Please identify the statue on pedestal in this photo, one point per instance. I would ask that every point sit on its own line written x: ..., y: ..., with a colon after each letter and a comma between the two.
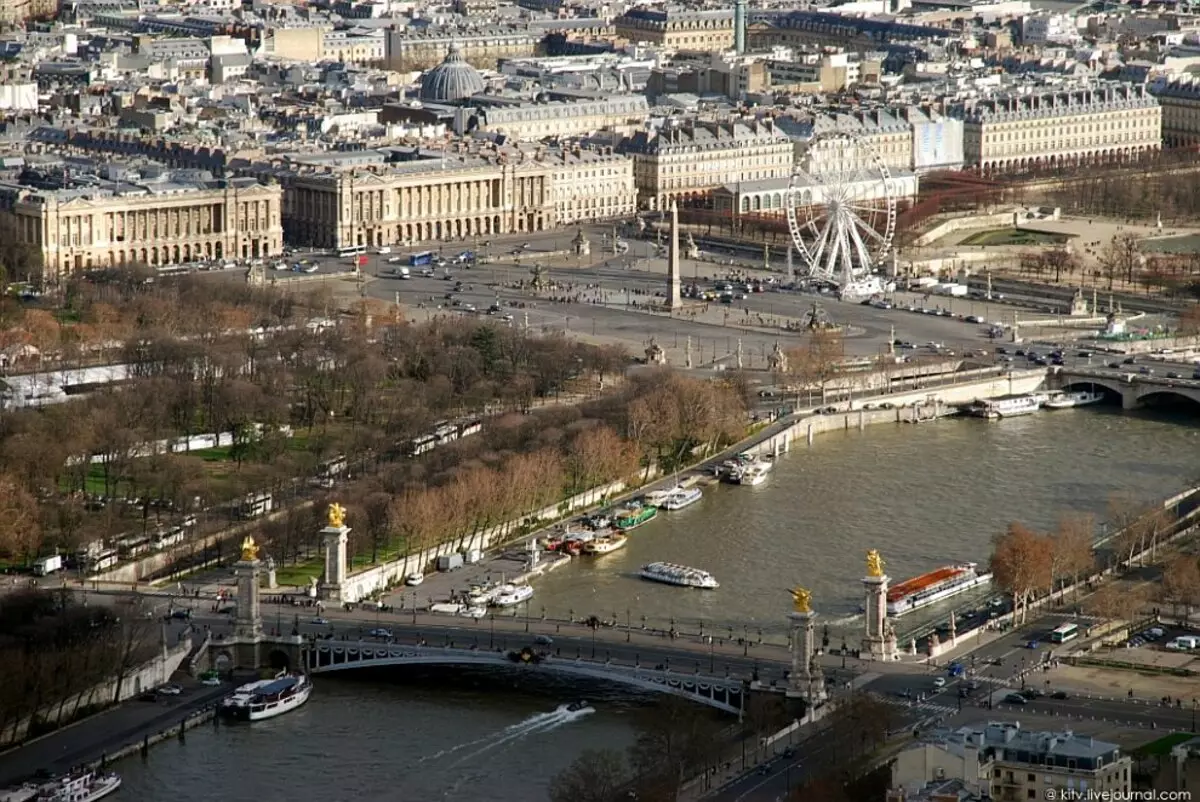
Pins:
x: 336, y: 516
x: 777, y: 360
x: 875, y: 563
x: 249, y: 549
x: 801, y: 600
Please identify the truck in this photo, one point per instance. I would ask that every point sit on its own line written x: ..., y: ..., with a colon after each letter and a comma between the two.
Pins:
x: 472, y: 556
x: 449, y: 562
x: 44, y: 566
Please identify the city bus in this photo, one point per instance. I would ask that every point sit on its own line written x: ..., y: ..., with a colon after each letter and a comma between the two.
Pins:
x: 420, y: 259
x: 1065, y: 633
x: 352, y: 250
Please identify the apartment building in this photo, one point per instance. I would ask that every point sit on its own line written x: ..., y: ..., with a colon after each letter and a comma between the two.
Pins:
x: 1006, y: 763
x: 678, y: 29
x: 157, y: 217
x: 687, y: 162
x: 1180, y: 103
x: 1104, y: 122
x: 586, y: 186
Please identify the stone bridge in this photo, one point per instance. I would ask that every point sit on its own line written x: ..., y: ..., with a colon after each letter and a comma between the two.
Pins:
x: 1132, y: 388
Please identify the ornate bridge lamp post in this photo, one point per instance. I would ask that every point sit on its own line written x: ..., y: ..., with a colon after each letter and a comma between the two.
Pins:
x: 492, y: 635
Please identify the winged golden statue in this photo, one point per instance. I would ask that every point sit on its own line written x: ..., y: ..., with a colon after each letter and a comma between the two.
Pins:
x: 249, y: 549
x: 801, y: 600
x: 874, y: 563
x: 336, y: 515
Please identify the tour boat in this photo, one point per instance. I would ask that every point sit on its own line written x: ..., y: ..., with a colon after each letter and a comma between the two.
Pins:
x: 510, y: 595
x: 267, y: 698
x: 1069, y: 400
x: 85, y: 786
x: 634, y: 515
x: 926, y: 589
x: 682, y: 498
x: 753, y: 474
x: 1007, y: 407
x: 605, y: 544
x: 675, y: 574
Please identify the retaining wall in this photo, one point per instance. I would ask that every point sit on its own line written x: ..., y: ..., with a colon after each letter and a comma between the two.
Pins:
x: 380, y: 577
x: 152, y: 674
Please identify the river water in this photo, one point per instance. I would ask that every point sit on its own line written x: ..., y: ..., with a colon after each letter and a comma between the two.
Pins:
x: 923, y: 495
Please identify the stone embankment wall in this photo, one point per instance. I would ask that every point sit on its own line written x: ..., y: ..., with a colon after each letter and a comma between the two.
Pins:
x: 149, y: 675
x: 380, y: 577
x: 919, y: 405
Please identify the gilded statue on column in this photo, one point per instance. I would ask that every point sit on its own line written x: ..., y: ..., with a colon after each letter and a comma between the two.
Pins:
x: 874, y: 563
x: 336, y: 516
x: 249, y: 549
x: 801, y: 600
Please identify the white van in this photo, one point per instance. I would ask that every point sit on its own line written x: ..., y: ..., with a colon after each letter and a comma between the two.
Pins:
x: 1187, y: 642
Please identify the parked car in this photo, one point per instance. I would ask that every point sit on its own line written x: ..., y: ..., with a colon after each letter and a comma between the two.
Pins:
x: 380, y: 632
x: 939, y: 682
x: 1059, y: 695
x: 170, y: 690
x: 1014, y: 699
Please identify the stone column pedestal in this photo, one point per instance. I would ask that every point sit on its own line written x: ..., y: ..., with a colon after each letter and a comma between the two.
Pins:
x: 879, y: 641
x: 334, y: 539
x: 247, y: 625
x: 806, y: 681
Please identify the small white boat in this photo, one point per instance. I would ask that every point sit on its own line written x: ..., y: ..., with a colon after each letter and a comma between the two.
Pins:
x: 682, y: 575
x: 656, y: 498
x: 23, y: 793
x: 87, y: 786
x: 754, y: 474
x: 605, y: 545
x: 475, y: 612
x: 265, y: 699
x: 510, y: 595
x: 682, y: 498
x: 414, y: 579
x: 1078, y: 399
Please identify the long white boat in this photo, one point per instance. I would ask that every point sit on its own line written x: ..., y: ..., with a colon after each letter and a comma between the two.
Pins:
x: 682, y: 575
x: 682, y: 498
x: 605, y: 544
x: 1006, y: 407
x: 1077, y: 399
x: 926, y: 589
x: 85, y: 786
x: 265, y: 699
x: 510, y: 595
x: 754, y: 473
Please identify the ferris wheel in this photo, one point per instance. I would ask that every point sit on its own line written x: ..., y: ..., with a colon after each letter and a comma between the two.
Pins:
x: 841, y: 211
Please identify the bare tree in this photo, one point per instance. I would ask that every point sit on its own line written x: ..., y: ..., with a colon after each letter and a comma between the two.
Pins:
x: 1073, y: 553
x: 597, y: 775
x: 1021, y: 565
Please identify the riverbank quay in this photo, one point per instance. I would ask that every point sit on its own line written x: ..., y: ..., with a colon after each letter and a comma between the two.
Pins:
x: 120, y: 731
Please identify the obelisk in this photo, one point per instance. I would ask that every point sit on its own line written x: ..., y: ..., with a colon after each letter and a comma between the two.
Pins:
x: 674, y: 296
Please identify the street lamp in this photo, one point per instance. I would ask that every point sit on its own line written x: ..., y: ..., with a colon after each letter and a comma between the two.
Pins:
x: 627, y: 633
x: 711, y: 655
x: 492, y: 636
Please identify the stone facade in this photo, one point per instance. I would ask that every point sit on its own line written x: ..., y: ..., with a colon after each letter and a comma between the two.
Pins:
x: 677, y: 29
x: 687, y: 163
x: 1101, y: 123
x: 590, y: 186
x: 155, y: 223
x: 405, y: 50
x: 1180, y: 102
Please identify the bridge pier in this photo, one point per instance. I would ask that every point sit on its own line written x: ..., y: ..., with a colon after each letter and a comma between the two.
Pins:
x: 334, y: 539
x: 806, y: 681
x: 879, y: 642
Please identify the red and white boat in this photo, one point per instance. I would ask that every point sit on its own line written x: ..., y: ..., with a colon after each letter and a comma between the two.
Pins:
x: 926, y: 589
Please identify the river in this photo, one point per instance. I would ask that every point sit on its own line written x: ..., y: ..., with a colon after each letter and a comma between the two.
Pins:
x: 922, y: 495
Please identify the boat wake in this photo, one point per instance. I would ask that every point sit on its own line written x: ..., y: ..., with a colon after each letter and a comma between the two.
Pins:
x: 542, y: 722
x: 845, y: 620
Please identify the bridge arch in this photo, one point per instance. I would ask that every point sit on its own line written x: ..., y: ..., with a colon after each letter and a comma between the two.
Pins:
x: 722, y: 693
x: 1111, y: 388
x: 1159, y: 395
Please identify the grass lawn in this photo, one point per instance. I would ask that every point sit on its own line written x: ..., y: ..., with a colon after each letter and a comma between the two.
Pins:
x: 1164, y: 744
x: 1014, y: 236
x: 300, y: 574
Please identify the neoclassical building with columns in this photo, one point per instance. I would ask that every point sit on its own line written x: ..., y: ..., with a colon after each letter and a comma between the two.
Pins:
x: 1103, y: 122
x: 370, y: 199
x: 168, y: 218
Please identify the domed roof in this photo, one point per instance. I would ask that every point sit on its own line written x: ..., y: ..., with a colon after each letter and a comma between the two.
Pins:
x: 453, y: 79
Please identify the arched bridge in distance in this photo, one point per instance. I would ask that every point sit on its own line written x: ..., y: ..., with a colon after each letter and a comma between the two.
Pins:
x: 1132, y: 388
x: 726, y: 693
